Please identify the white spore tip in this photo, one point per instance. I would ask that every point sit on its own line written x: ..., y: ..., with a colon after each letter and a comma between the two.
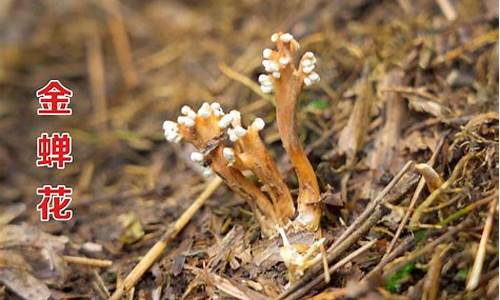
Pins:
x: 197, y: 157
x: 270, y: 65
x: 188, y: 122
x: 228, y: 154
x: 286, y: 37
x: 170, y: 126
x: 173, y: 137
x: 267, y: 53
x: 308, y: 69
x: 274, y: 37
x: 232, y: 136
x: 236, y: 118
x: 240, y: 131
x: 258, y: 124
x: 309, y: 55
x: 263, y: 78
x: 207, y: 172
x: 266, y: 84
x: 284, y: 60
x: 314, y: 77
x: 217, y: 109
x: 171, y: 131
x: 225, y: 121
x: 188, y: 112
x: 306, y: 62
x: 204, y: 110
x: 236, y: 133
x: 266, y: 89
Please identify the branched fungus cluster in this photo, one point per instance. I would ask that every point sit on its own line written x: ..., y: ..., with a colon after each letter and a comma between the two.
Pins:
x: 231, y: 151
x: 287, y: 77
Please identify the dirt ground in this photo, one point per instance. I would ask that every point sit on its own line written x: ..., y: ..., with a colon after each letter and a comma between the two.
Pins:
x: 402, y: 83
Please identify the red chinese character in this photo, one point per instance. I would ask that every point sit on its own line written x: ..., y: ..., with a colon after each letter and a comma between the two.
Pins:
x: 55, y: 149
x: 54, y: 99
x: 54, y: 203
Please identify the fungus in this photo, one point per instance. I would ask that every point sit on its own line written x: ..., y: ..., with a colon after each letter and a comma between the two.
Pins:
x: 286, y: 77
x: 229, y: 150
x: 298, y: 261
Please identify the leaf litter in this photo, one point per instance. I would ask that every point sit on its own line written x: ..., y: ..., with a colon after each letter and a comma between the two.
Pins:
x: 401, y: 83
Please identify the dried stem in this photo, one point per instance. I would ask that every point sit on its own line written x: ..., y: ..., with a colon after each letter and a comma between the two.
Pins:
x: 97, y: 78
x: 372, y: 205
x: 154, y: 253
x: 406, y: 244
x: 400, y: 263
x: 121, y: 42
x: 313, y: 283
x: 448, y: 10
x: 415, y: 197
x: 432, y: 178
x: 417, y: 215
x: 464, y: 211
x: 432, y: 281
x: 91, y: 262
x: 477, y: 268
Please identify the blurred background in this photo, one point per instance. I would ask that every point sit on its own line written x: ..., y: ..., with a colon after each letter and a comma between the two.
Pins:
x: 133, y: 64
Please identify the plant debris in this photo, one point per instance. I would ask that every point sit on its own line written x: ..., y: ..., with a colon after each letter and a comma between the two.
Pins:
x: 378, y: 182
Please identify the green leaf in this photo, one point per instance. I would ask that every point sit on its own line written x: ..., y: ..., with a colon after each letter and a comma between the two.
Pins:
x: 318, y: 104
x: 419, y: 236
x: 461, y: 275
x: 131, y: 228
x: 394, y: 281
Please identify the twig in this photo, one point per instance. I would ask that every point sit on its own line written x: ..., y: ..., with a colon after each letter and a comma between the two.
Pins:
x: 387, y: 143
x: 415, y: 197
x: 397, y: 265
x: 95, y: 69
x: 91, y: 262
x: 448, y: 10
x: 363, y: 223
x: 335, y: 253
x: 99, y: 290
x: 432, y: 280
x: 464, y: 211
x: 419, y: 92
x: 409, y: 210
x: 417, y: 214
x: 154, y: 253
x: 324, y: 259
x: 443, y: 205
x: 407, y: 6
x: 121, y: 42
x: 388, y: 257
x: 299, y: 293
x: 477, y: 268
x: 353, y: 137
x: 372, y: 205
x: 226, y: 70
x: 331, y: 294
x: 100, y: 284
x: 487, y: 277
x: 324, y: 137
x: 489, y: 37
